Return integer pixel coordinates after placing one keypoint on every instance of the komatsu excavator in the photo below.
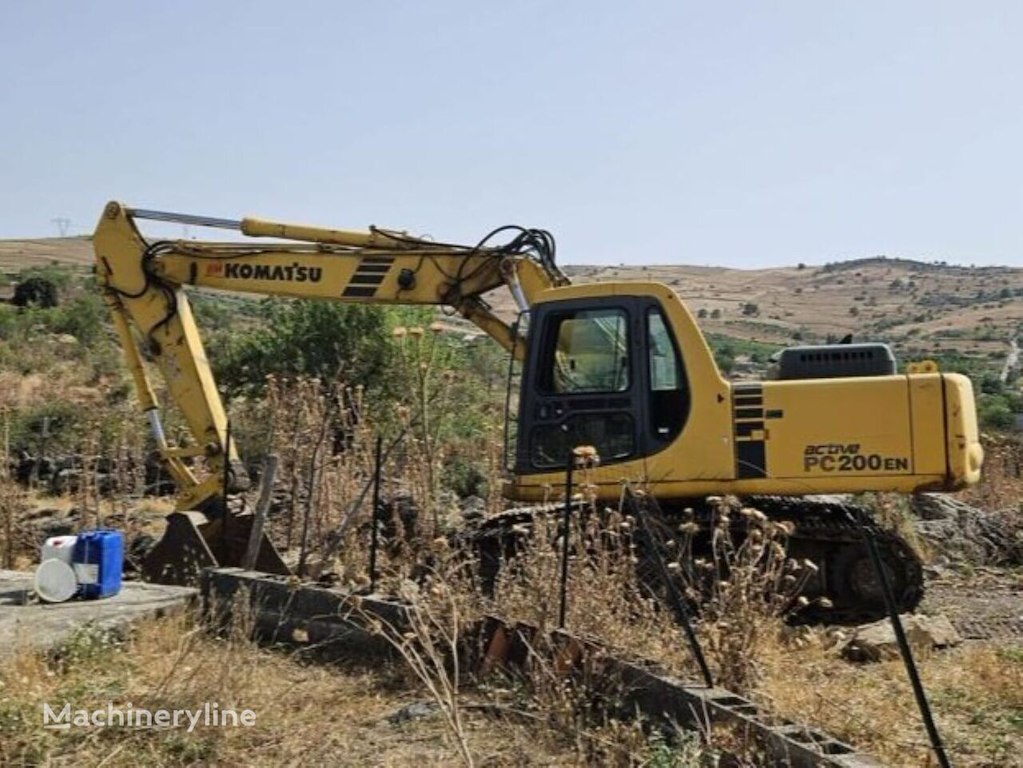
(620, 366)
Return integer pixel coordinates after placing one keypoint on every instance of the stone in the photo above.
(876, 642)
(25, 622)
(415, 711)
(962, 533)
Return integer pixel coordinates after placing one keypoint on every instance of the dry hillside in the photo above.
(19, 254)
(923, 308)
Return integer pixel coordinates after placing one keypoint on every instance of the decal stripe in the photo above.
(358, 279)
(749, 413)
(368, 276)
(748, 428)
(751, 458)
(749, 400)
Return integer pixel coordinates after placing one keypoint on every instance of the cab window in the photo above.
(587, 351)
(669, 393)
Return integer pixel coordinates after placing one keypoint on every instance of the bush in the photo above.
(83, 318)
(52, 428)
(328, 341)
(35, 292)
(724, 356)
(997, 411)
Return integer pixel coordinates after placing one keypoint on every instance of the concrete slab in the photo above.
(26, 622)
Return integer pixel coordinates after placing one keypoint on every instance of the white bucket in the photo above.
(59, 548)
(55, 581)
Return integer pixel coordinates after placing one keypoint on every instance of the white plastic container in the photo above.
(59, 548)
(55, 581)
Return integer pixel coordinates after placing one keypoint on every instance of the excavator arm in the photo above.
(144, 286)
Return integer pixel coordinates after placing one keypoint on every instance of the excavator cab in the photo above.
(601, 371)
(624, 367)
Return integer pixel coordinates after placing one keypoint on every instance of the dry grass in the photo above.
(976, 693)
(604, 596)
(1001, 484)
(306, 714)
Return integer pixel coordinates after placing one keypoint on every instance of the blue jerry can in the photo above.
(97, 562)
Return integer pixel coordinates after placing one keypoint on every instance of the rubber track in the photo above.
(827, 522)
(826, 531)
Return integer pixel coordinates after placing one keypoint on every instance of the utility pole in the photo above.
(62, 225)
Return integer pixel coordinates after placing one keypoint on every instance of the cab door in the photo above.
(604, 372)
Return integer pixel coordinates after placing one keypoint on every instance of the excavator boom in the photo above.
(144, 284)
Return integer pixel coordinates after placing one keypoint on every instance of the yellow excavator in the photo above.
(620, 366)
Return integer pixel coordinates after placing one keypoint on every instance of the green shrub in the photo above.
(998, 411)
(330, 341)
(83, 318)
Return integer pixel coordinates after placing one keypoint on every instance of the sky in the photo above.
(743, 134)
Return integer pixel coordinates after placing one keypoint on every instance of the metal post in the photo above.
(564, 541)
(262, 509)
(904, 648)
(677, 601)
(375, 515)
(225, 547)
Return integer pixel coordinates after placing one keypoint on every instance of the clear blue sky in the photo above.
(741, 134)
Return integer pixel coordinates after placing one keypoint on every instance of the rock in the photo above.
(473, 508)
(139, 546)
(414, 711)
(963, 533)
(55, 526)
(930, 506)
(874, 642)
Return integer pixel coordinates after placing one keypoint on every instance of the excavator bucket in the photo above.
(192, 541)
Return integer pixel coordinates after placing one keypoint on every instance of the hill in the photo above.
(969, 314)
(21, 254)
(923, 309)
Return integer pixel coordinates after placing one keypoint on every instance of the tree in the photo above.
(328, 340)
(749, 309)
